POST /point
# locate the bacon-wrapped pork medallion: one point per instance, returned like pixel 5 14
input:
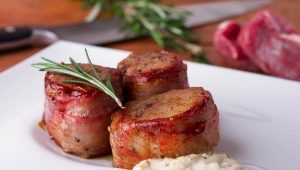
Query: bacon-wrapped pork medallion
pixel 149 73
pixel 77 116
pixel 171 124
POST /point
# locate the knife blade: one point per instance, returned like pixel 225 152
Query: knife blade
pixel 202 14
pixel 108 30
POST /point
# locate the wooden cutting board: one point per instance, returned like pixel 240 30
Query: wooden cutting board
pixel 60 12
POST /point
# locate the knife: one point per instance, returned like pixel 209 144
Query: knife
pixel 108 30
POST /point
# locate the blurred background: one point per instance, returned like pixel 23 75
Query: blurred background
pixel 60 12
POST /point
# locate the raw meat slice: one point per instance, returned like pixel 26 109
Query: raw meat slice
pixel 273 44
pixel 225 42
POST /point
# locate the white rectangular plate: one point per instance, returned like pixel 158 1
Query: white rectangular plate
pixel 259 115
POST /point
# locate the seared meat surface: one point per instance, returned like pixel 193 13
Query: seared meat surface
pixel 171 124
pixel 77 116
pixel 149 73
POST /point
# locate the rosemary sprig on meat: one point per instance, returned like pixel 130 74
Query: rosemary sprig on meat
pixel 90 79
pixel 165 24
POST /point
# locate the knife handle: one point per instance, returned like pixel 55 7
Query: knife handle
pixel 16 37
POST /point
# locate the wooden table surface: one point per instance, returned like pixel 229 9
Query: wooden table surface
pixel 60 12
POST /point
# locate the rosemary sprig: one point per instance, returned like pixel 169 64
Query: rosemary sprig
pixel 84 77
pixel 165 24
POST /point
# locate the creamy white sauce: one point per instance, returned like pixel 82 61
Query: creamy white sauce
pixel 191 162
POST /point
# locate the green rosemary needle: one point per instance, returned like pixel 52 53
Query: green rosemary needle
pixel 164 23
pixel 84 77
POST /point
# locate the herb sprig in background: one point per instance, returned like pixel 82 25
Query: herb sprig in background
pixel 165 24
